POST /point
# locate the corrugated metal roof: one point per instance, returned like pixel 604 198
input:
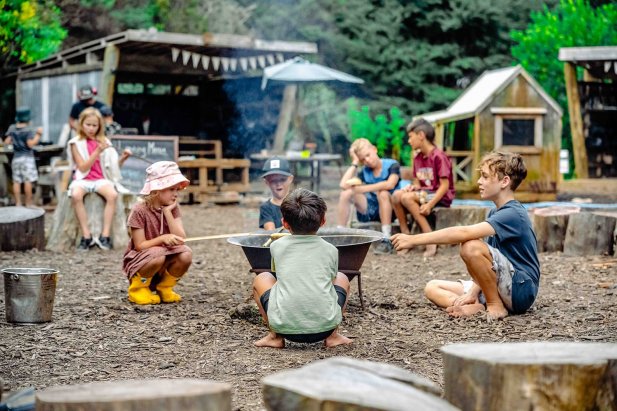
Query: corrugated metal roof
pixel 482 91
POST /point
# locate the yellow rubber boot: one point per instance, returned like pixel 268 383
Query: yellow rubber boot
pixel 164 289
pixel 139 291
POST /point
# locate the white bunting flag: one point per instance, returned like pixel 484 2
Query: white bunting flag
pixel 253 62
pixel 196 59
pixel 280 57
pixel 233 64
pixel 205 61
pixel 174 54
pixel 186 55
pixel 225 63
pixel 216 61
pixel 262 61
pixel 270 59
pixel 244 63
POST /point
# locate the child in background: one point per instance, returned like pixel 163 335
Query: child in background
pixel 370 193
pixel 23 137
pixel 433 183
pixel 278 178
pixel 505 270
pixel 93 160
pixel 111 127
pixel 305 301
pixel 157 237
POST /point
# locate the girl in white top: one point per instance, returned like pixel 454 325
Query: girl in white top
pixel 95 163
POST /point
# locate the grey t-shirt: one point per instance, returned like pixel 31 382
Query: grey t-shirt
pixel 303 300
pixel 515 239
pixel 19 137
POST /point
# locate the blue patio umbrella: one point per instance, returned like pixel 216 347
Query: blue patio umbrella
pixel 299 70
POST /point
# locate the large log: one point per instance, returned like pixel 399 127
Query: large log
pixel 530 376
pixel 350 384
pixel 130 395
pixel 459 215
pixel 550 225
pixel 65 232
pixel 590 234
pixel 22 228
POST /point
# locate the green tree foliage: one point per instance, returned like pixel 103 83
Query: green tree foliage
pixel 29 30
pixel 574 23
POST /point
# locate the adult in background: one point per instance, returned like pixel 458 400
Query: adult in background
pixel 85 95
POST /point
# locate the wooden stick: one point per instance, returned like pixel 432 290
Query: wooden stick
pixel 275 235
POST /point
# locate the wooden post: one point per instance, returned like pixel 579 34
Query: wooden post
pixel 22 228
pixel 477 156
pixel 581 166
pixel 128 395
pixel 108 77
pixel 529 376
pixel 288 106
pixel 348 384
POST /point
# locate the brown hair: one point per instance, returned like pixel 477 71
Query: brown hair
pixel 424 126
pixel 506 164
pixel 91 111
pixel 303 210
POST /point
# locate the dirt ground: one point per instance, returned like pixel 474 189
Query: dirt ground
pixel 97 335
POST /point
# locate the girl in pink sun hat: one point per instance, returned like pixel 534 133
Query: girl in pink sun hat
pixel 156 247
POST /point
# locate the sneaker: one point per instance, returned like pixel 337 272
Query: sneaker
pixel 104 243
pixel 384 247
pixel 85 244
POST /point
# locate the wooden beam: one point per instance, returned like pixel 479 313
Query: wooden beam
pixel 477 156
pixel 108 77
pixel 576 122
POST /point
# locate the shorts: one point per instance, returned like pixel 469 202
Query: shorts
pixel 308 338
pixel 89 186
pixel 372 209
pixel 24 169
pixel 504 272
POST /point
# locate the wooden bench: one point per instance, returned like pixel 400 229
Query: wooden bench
pixel 203 186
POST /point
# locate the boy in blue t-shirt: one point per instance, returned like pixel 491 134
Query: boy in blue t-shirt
pixel 505 270
pixel 23 137
pixel 277 176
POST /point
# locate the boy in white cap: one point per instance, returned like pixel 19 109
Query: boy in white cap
pixel 156 247
pixel 278 177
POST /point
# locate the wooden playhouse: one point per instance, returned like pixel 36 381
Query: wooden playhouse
pixel 503 109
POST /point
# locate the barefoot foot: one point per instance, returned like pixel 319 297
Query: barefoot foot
pixel 467 310
pixel 403 252
pixel 272 340
pixel 431 250
pixel 336 339
pixel 496 312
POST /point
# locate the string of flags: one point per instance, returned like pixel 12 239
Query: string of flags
pixel 217 63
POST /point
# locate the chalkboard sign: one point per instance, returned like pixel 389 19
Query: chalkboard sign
pixel 146 150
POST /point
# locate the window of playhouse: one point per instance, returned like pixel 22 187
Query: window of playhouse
pixel 130 88
pixel 518 132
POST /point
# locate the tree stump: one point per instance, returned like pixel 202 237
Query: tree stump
pixel 22 228
pixel 349 384
pixel 65 232
pixel 530 376
pixel 590 234
pixel 459 215
pixel 129 395
pixel 550 225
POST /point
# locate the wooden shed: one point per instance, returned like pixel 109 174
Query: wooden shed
pixel 503 109
pixel 592 104
pixel 207 86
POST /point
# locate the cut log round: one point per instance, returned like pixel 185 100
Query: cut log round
pixel 350 384
pixel 459 215
pixel 590 234
pixel 22 228
pixel 529 376
pixel 129 395
pixel 550 225
pixel 65 232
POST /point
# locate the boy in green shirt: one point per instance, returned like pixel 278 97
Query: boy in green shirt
pixel 305 301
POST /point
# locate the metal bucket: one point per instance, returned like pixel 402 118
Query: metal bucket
pixel 29 294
